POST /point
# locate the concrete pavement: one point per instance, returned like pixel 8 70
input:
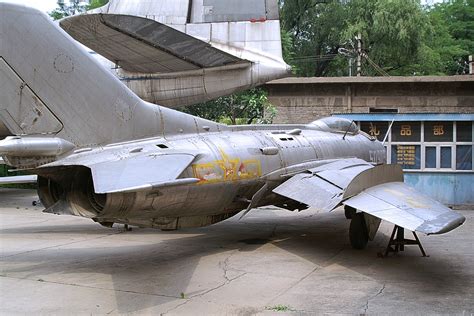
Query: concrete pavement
pixel 271 262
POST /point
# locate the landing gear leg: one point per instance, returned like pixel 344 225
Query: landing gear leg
pixel 397 244
pixel 358 235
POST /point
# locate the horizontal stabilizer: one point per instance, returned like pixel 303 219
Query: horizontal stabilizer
pixel 18 180
pixel 139 173
pixel 143 45
pixel 402 205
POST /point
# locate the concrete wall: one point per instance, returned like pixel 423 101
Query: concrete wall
pixel 302 100
pixel 447 188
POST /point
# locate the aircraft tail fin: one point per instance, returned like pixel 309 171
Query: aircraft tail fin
pixel 51 85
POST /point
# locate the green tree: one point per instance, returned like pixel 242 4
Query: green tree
pixel 451 37
pixel 315 26
pixel 401 36
pixel 392 32
pixel 247 107
pixel 74 7
pixel 96 4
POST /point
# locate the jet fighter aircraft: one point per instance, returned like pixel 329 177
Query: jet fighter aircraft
pixel 101 152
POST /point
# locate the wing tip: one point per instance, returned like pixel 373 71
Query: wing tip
pixel 433 228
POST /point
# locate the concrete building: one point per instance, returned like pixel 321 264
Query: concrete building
pixel 432 133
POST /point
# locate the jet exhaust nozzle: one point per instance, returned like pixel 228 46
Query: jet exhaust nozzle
pixel 17 146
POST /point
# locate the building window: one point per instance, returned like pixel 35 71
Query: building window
pixel 406 132
pixel 438 131
pixel 464 157
pixel 430 157
pixel 406 155
pixel 375 129
pixel 463 131
pixel 446 159
pixel 433 145
pixel 382 110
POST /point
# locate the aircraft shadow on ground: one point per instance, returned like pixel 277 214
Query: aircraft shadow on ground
pixel 163 270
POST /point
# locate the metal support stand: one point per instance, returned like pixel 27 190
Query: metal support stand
pixel 398 244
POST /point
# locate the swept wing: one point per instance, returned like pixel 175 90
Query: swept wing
pixel 377 190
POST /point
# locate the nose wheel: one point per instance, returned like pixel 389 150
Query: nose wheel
pixel 358 234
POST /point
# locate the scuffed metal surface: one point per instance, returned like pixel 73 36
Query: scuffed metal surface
pixel 21 110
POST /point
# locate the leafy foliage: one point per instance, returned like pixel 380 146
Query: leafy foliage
pixel 401 36
pixel 73 7
pixel 452 35
pixel 247 107
pixel 96 4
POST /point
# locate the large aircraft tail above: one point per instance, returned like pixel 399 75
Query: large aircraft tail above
pixel 51 85
pixel 167 37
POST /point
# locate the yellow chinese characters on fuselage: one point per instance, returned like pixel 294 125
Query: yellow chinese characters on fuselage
pixel 227 169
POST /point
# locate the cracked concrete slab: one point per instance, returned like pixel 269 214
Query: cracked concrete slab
pixel 271 262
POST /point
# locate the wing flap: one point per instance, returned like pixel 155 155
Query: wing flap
pixel 312 191
pixel 323 187
pixel 143 45
pixel 402 205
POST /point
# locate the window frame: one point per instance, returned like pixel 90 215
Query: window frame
pixel 452 144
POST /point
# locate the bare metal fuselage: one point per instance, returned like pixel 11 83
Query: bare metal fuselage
pixel 231 168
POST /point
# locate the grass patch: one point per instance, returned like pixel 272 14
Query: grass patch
pixel 279 308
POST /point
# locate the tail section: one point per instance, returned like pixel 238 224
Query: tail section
pixel 252 25
pixel 184 52
pixel 50 85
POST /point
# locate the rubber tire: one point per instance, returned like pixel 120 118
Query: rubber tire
pixel 358 235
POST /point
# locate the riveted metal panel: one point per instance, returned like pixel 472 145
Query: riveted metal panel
pixel 20 109
pixel 272 9
pixel 233 10
pixel 163 11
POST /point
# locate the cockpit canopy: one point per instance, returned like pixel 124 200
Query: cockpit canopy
pixel 335 125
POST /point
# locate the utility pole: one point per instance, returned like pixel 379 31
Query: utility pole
pixel 359 54
pixel 471 65
pixel 350 56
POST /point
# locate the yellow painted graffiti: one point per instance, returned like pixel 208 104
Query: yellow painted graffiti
pixel 227 169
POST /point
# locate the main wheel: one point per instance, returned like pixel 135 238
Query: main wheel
pixel 358 234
